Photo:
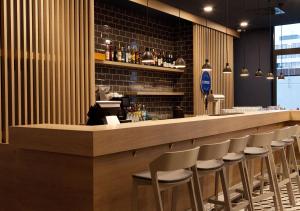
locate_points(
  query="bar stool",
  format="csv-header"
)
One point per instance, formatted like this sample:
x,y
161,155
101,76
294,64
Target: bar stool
x,y
293,136
282,140
235,156
166,172
259,146
210,161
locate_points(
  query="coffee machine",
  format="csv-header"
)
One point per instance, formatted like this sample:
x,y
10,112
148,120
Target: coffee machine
x,y
216,100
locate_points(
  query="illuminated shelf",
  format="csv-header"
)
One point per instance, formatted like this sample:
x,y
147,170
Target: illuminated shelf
x,y
144,93
140,66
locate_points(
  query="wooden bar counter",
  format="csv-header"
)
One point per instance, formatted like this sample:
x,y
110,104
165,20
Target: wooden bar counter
x,y
64,167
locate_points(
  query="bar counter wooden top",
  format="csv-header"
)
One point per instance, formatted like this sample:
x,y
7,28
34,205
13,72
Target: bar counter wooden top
x,y
89,168
103,139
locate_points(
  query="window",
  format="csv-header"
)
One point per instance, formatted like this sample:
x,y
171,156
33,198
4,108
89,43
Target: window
x,y
287,55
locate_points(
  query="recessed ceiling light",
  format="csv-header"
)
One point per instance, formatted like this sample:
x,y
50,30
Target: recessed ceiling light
x,y
208,8
244,24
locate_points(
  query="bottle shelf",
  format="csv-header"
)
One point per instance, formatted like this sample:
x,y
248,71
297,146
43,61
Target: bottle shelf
x,y
145,93
139,66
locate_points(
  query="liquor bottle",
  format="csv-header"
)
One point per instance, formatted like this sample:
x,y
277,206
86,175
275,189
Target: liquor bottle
x,y
137,56
115,54
132,55
111,53
107,53
159,59
164,62
172,62
154,57
128,55
123,54
119,54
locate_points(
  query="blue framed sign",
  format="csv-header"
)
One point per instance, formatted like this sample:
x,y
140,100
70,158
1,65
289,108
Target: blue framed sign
x,y
205,83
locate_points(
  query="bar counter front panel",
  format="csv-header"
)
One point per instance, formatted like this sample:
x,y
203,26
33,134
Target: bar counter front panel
x,y
63,167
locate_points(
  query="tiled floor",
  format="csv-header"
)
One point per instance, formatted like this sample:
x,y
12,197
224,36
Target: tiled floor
x,y
268,204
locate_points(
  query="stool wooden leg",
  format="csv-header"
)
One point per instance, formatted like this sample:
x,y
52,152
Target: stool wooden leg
x,y
262,172
286,174
134,196
246,185
174,198
295,166
227,200
273,182
216,186
157,195
198,189
251,175
192,195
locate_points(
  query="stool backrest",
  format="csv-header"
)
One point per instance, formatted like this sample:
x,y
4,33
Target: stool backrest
x,y
238,145
294,131
261,139
170,161
213,151
282,133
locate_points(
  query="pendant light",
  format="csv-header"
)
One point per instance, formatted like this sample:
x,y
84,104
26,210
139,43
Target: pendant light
x,y
227,69
281,75
206,66
244,71
147,57
270,75
180,63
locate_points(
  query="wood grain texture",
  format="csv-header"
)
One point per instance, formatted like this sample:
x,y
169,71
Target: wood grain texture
x,y
104,139
217,55
104,182
47,64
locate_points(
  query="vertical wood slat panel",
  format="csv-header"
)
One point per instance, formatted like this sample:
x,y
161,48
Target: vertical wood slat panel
x,y
72,40
47,58
12,63
82,37
63,61
92,51
31,79
42,61
19,77
68,67
58,60
36,60
217,56
1,72
86,53
53,57
77,68
25,81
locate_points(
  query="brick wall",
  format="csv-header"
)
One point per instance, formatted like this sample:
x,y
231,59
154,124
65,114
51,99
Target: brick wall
x,y
128,23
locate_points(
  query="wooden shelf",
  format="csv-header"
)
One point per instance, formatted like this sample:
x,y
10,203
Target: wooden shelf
x,y
140,66
145,93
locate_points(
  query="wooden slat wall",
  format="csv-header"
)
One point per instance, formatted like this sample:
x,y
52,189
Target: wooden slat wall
x,y
46,62
221,83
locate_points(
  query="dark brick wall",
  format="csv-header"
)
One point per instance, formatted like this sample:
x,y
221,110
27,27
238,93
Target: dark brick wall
x,y
128,23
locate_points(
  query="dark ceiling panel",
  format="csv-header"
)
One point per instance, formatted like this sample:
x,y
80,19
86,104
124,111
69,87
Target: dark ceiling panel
x,y
256,15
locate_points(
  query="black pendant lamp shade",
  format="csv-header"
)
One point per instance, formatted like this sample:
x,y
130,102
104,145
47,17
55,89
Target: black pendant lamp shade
x,y
270,76
244,72
259,73
206,66
180,63
147,57
227,69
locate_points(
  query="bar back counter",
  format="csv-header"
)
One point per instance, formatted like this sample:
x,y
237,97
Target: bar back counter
x,y
68,167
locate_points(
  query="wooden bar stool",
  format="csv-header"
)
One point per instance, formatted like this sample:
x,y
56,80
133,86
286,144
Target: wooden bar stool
x,y
259,146
210,161
167,172
293,136
282,140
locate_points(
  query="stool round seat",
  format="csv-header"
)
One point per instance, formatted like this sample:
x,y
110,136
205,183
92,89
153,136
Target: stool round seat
x,y
209,164
166,176
255,151
278,144
232,156
288,141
